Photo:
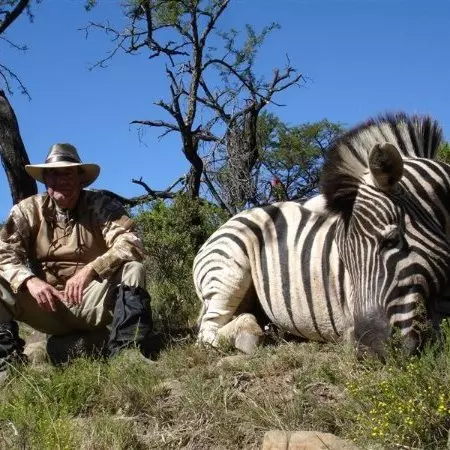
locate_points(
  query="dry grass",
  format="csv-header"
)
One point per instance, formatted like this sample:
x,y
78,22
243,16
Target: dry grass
x,y
194,397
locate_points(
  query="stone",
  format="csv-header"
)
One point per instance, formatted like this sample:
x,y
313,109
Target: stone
x,y
36,352
304,440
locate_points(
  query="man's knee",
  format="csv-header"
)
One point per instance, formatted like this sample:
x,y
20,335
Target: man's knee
x,y
133,274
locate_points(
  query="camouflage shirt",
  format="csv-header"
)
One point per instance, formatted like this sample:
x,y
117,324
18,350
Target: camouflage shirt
x,y
39,239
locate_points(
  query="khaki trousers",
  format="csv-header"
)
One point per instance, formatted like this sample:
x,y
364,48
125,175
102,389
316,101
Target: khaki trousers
x,y
95,311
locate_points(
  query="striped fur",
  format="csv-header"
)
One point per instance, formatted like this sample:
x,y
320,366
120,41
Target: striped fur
x,y
374,259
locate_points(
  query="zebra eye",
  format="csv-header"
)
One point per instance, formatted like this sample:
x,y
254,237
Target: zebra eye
x,y
392,240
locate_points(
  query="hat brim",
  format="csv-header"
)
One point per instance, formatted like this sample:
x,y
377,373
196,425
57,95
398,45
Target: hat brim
x,y
89,175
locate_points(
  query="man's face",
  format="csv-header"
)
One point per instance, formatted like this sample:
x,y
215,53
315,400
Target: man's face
x,y
63,185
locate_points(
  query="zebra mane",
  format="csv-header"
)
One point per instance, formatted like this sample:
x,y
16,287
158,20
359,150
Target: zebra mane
x,y
347,159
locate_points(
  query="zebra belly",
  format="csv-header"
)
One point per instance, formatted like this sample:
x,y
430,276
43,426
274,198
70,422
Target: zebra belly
x,y
299,279
315,320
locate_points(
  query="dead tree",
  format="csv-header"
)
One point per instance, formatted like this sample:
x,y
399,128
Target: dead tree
x,y
12,151
13,154
238,184
203,114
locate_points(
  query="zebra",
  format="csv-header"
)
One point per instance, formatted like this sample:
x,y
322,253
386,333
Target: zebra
x,y
369,258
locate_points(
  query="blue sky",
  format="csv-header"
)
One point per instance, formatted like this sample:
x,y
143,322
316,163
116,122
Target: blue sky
x,y
361,58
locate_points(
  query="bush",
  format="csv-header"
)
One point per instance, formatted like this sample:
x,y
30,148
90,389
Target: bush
x,y
406,401
172,235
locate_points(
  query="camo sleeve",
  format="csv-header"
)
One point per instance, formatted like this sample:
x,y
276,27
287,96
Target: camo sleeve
x,y
119,233
14,238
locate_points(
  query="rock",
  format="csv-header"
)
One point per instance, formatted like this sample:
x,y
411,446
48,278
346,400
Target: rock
x,y
36,352
33,336
304,440
36,347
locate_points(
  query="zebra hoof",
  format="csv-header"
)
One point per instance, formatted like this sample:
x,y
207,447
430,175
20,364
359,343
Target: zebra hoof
x,y
247,343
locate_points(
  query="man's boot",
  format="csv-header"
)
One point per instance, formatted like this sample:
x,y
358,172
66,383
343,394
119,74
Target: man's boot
x,y
11,346
132,322
92,343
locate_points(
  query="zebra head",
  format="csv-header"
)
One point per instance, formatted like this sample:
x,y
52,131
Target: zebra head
x,y
395,252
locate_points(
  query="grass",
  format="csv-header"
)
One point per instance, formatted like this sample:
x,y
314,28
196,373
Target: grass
x,y
195,397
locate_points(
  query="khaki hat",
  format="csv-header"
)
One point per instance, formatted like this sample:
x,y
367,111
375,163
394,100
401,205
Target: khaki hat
x,y
64,155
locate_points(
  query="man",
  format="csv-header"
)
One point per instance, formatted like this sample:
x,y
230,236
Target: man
x,y
70,261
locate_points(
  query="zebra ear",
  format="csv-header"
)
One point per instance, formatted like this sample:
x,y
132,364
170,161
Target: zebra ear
x,y
386,165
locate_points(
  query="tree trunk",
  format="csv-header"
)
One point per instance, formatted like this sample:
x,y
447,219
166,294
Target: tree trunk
x,y
243,153
190,150
13,154
193,179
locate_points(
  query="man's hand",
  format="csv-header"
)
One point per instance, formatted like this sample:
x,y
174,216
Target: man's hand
x,y
45,294
73,293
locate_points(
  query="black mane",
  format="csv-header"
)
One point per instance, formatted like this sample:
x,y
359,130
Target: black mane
x,y
347,160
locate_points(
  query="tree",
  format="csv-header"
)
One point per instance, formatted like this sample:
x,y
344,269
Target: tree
x,y
12,151
221,84
443,153
10,11
291,158
13,154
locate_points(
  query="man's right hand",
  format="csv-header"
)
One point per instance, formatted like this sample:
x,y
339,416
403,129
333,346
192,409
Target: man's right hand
x,y
45,294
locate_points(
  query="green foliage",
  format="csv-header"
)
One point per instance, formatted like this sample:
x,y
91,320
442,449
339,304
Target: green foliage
x,y
406,402
40,407
241,55
443,153
89,4
251,45
293,155
168,13
72,407
172,235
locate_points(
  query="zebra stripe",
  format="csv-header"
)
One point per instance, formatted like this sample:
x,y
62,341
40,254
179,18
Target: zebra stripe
x,y
372,258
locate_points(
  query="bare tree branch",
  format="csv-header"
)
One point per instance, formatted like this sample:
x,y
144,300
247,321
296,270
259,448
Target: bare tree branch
x,y
144,185
5,72
222,203
224,116
156,123
21,48
152,194
11,16
213,19
139,200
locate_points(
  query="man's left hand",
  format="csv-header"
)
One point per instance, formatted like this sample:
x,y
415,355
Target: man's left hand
x,y
73,292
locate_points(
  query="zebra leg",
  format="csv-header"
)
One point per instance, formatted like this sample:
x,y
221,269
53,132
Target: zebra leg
x,y
217,323
227,289
243,332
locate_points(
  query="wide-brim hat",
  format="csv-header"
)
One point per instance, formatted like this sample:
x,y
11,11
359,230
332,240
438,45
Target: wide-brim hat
x,y
64,155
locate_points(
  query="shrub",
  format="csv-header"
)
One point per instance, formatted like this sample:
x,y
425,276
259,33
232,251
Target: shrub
x,y
172,235
406,401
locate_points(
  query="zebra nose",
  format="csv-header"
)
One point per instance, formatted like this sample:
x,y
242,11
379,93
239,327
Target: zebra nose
x,y
371,333
412,343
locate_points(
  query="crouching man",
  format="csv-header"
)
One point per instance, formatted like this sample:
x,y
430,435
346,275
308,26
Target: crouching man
x,y
70,262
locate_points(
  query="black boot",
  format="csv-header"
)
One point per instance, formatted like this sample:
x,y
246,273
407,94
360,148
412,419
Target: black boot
x,y
11,346
132,322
